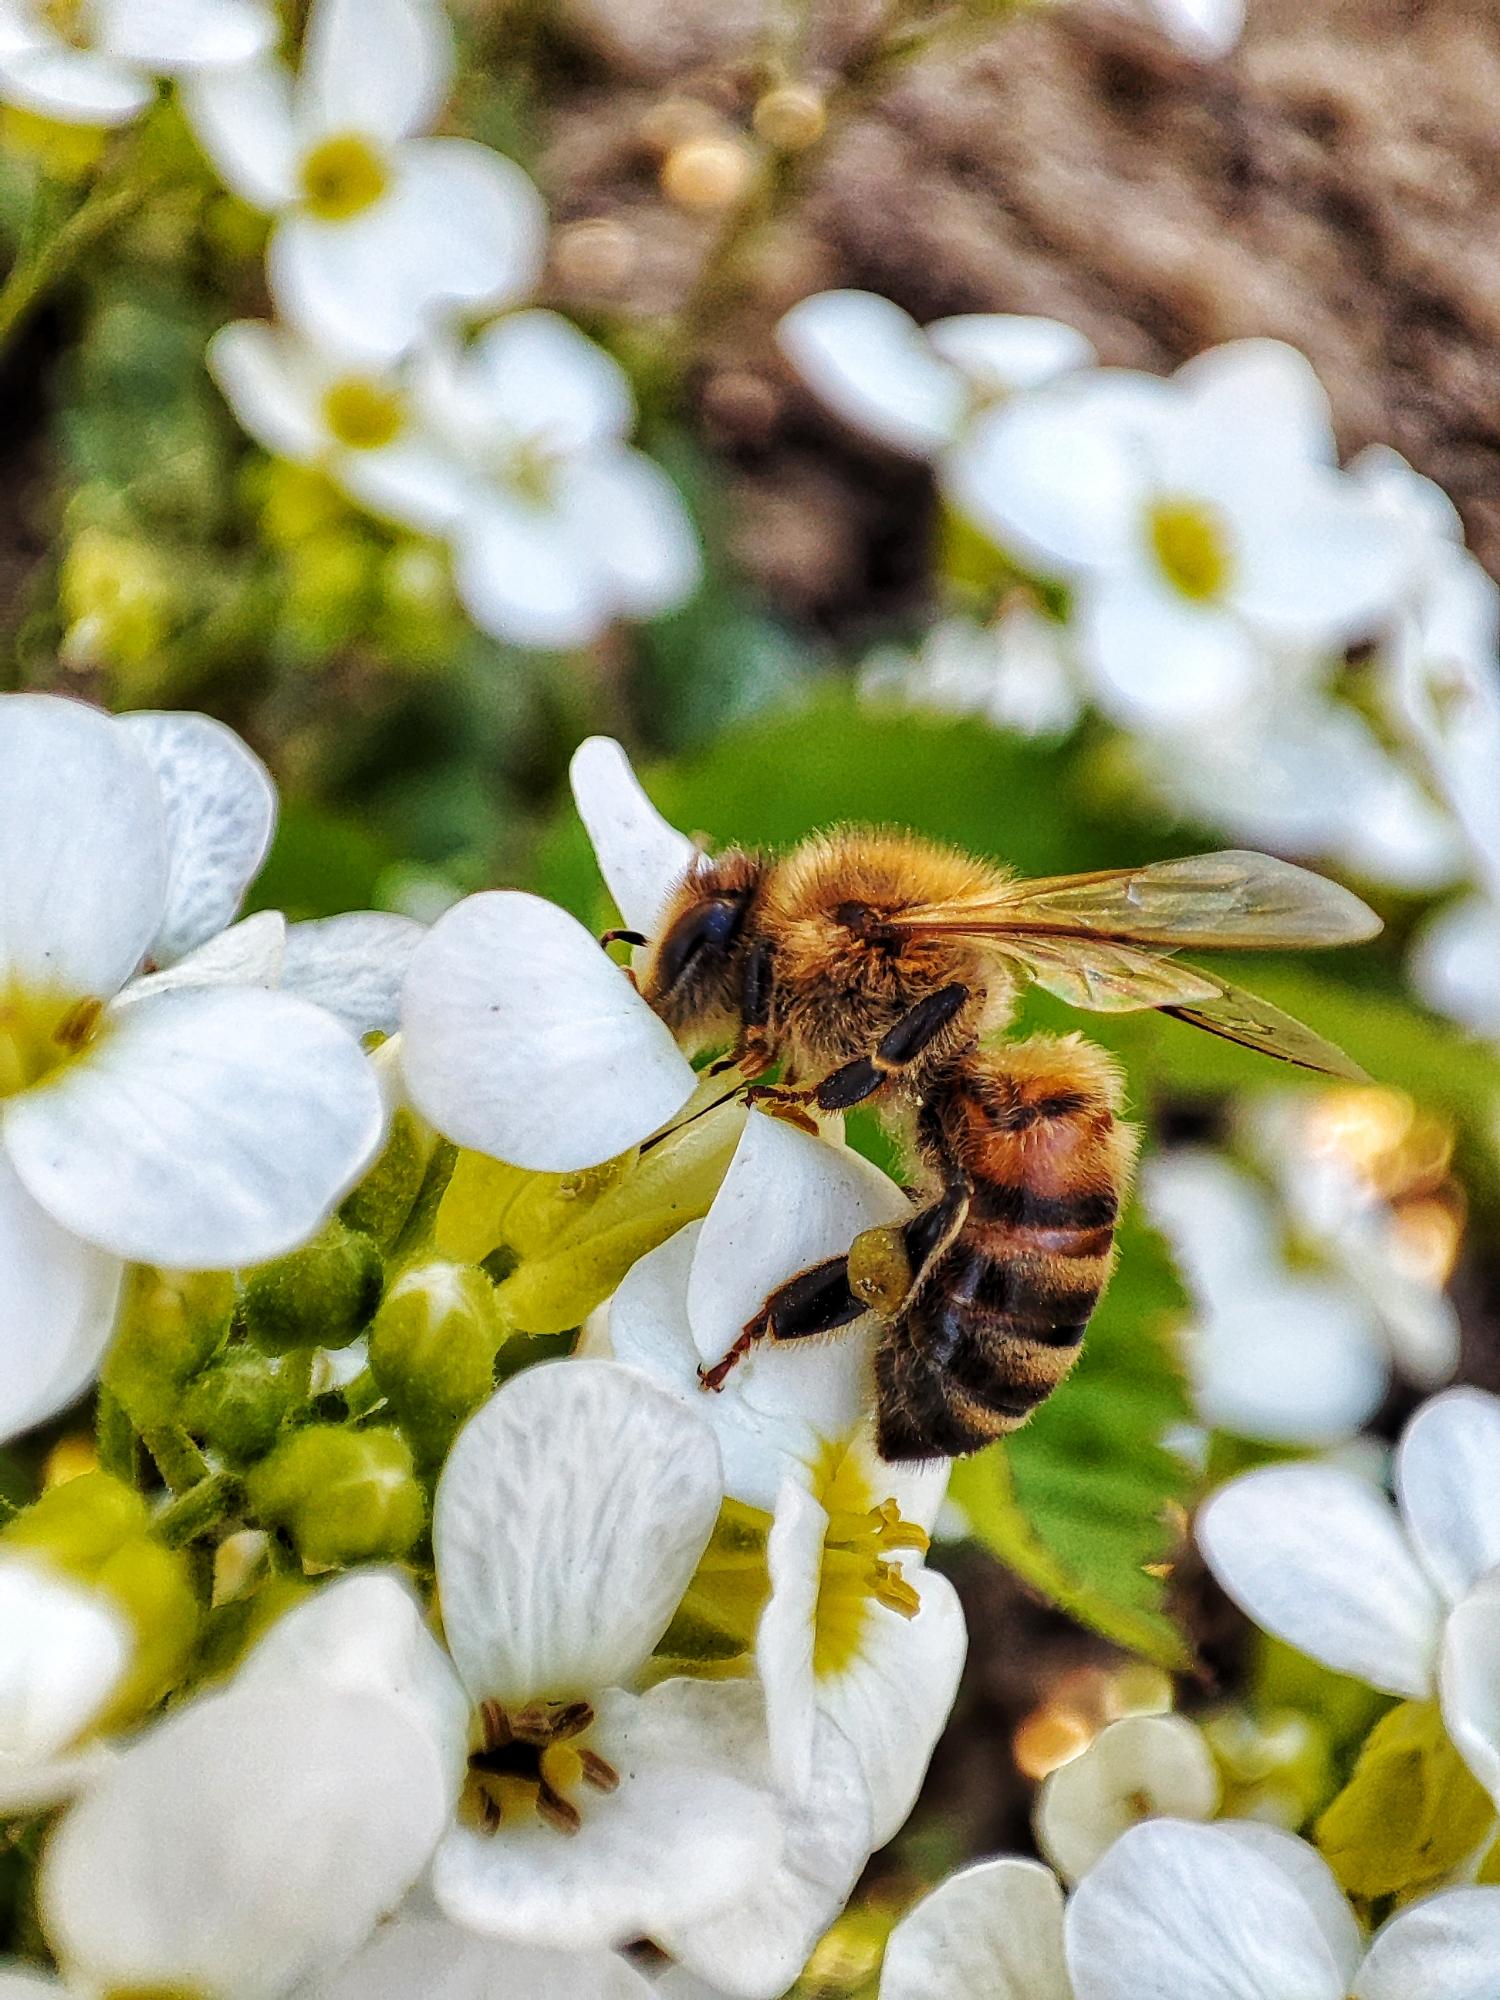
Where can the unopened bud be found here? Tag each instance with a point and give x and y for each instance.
(153, 1586)
(791, 117)
(79, 1524)
(384, 1199)
(432, 1351)
(343, 1496)
(171, 1324)
(321, 1296)
(237, 1405)
(709, 173)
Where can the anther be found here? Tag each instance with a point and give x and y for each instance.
(596, 1772)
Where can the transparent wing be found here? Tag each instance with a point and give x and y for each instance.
(1254, 1023)
(1107, 978)
(1231, 901)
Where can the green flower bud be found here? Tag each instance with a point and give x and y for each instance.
(171, 1324)
(320, 1296)
(432, 1351)
(153, 1586)
(387, 1195)
(343, 1496)
(80, 1524)
(237, 1405)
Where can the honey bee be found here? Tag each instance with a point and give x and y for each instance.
(879, 967)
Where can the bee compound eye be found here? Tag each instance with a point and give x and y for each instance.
(708, 927)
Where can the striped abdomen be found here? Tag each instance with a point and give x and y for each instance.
(998, 1318)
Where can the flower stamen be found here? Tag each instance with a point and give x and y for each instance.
(528, 1763)
(343, 177)
(1189, 541)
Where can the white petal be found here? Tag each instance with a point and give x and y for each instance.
(63, 1650)
(1447, 1948)
(1306, 1869)
(999, 353)
(352, 966)
(1323, 566)
(1289, 1360)
(249, 953)
(1455, 963)
(757, 1945)
(58, 1299)
(241, 116)
(441, 1961)
(677, 1842)
(1254, 401)
(204, 1129)
(569, 1517)
(1204, 28)
(166, 36)
(1317, 1557)
(1448, 1484)
(643, 860)
(273, 385)
(521, 1038)
(75, 86)
(524, 574)
(367, 1634)
(1469, 1681)
(789, 1200)
(244, 1843)
(642, 536)
(220, 805)
(460, 227)
(1144, 1766)
(1179, 1909)
(994, 1929)
(18, 1985)
(83, 855)
(1158, 658)
(788, 1629)
(1421, 505)
(382, 67)
(413, 482)
(535, 377)
(1220, 1223)
(871, 363)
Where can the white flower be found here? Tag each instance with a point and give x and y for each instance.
(95, 62)
(1017, 672)
(309, 402)
(1141, 1767)
(428, 1957)
(995, 1929)
(520, 1037)
(187, 1117)
(1203, 28)
(1242, 1912)
(1196, 519)
(63, 1651)
(378, 230)
(1276, 1351)
(565, 528)
(247, 1842)
(1404, 1601)
(916, 388)
(1455, 963)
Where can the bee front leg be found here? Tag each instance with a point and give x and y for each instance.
(898, 1048)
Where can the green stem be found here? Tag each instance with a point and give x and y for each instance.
(119, 1447)
(178, 1459)
(363, 1394)
(48, 251)
(200, 1510)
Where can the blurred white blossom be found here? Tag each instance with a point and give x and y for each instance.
(97, 62)
(1206, 29)
(1141, 1767)
(1017, 672)
(994, 1929)
(64, 1650)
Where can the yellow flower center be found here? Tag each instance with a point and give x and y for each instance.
(39, 1034)
(362, 414)
(1190, 542)
(859, 1580)
(343, 177)
(155, 1993)
(530, 1763)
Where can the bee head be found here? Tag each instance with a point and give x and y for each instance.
(692, 973)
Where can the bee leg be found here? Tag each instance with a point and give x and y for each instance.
(897, 1049)
(752, 1052)
(817, 1300)
(888, 1264)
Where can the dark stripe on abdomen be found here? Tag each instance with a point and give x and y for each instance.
(995, 1201)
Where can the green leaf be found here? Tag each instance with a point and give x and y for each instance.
(1411, 1813)
(1083, 1503)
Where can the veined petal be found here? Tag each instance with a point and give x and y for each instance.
(271, 382)
(58, 1300)
(674, 1844)
(249, 953)
(994, 1929)
(83, 882)
(788, 1201)
(999, 353)
(244, 1843)
(522, 1039)
(871, 363)
(1318, 1557)
(382, 67)
(524, 575)
(461, 226)
(756, 1946)
(641, 533)
(569, 1518)
(1174, 1908)
(641, 857)
(1158, 658)
(1144, 1766)
(220, 806)
(442, 1961)
(1446, 1945)
(76, 86)
(1306, 1869)
(352, 966)
(367, 1634)
(1448, 1484)
(1469, 1681)
(241, 116)
(165, 36)
(63, 1651)
(205, 1128)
